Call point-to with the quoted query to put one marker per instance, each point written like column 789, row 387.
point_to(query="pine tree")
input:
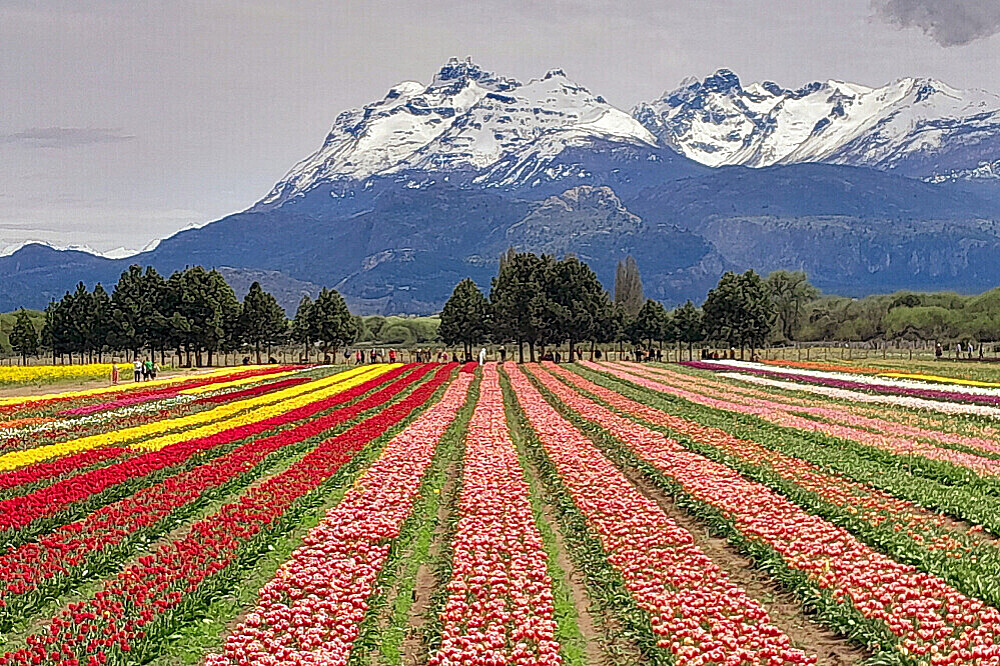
column 628, row 287
column 465, row 317
column 652, row 323
column 261, row 319
column 99, row 322
column 519, row 302
column 128, row 311
column 332, row 323
column 24, row 336
column 577, row 300
column 302, row 325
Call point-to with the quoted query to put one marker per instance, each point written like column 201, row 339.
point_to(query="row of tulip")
column 33, row 572
column 935, row 415
column 88, row 417
column 968, row 394
column 831, row 413
column 155, row 435
column 44, row 374
column 696, row 612
column 823, row 365
column 859, row 397
column 126, row 621
column 939, row 379
column 313, row 608
column 236, row 383
column 25, row 479
column 72, row 498
column 76, row 427
column 252, row 391
column 499, row 607
column 126, row 410
column 960, row 554
column 904, row 446
column 857, row 589
column 942, row 488
column 15, row 404
column 190, row 389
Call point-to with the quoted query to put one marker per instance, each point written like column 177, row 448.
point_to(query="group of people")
column 969, row 350
column 141, row 371
column 640, row 354
column 373, row 356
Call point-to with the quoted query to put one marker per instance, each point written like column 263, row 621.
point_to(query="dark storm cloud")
column 64, row 137
column 948, row 22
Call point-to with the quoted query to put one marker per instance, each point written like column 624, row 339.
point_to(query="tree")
column 576, row 300
column 332, row 323
column 739, row 311
column 628, row 286
column 465, row 317
column 790, row 292
column 506, row 257
column 98, row 322
column 141, row 308
column 261, row 318
column 519, row 301
column 76, row 333
column 204, row 313
column 302, row 325
column 652, row 323
column 24, row 337
column 687, row 321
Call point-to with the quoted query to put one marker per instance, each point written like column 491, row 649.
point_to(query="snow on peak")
column 458, row 72
column 466, row 119
column 717, row 121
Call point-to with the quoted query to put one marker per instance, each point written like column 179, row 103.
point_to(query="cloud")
column 64, row 137
column 948, row 22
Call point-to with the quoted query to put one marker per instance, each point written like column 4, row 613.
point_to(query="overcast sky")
column 123, row 121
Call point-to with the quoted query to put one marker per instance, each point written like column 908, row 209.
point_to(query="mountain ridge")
column 413, row 192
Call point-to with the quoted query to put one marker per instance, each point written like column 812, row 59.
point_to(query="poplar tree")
column 628, row 287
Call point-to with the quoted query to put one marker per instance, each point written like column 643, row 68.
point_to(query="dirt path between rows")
column 782, row 606
column 603, row 642
column 414, row 649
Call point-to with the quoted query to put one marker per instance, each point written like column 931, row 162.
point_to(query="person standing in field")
column 155, row 368
column 482, row 356
column 114, row 374
column 392, row 356
column 137, row 370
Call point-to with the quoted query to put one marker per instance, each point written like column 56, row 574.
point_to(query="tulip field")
column 593, row 513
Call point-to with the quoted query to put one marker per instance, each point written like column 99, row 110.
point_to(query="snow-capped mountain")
column 467, row 120
column 430, row 184
column 916, row 127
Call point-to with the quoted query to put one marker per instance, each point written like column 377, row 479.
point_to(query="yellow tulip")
column 211, row 420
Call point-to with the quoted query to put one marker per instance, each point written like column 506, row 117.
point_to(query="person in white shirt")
column 482, row 356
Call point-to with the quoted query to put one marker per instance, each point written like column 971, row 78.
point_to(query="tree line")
column 539, row 301
column 193, row 311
